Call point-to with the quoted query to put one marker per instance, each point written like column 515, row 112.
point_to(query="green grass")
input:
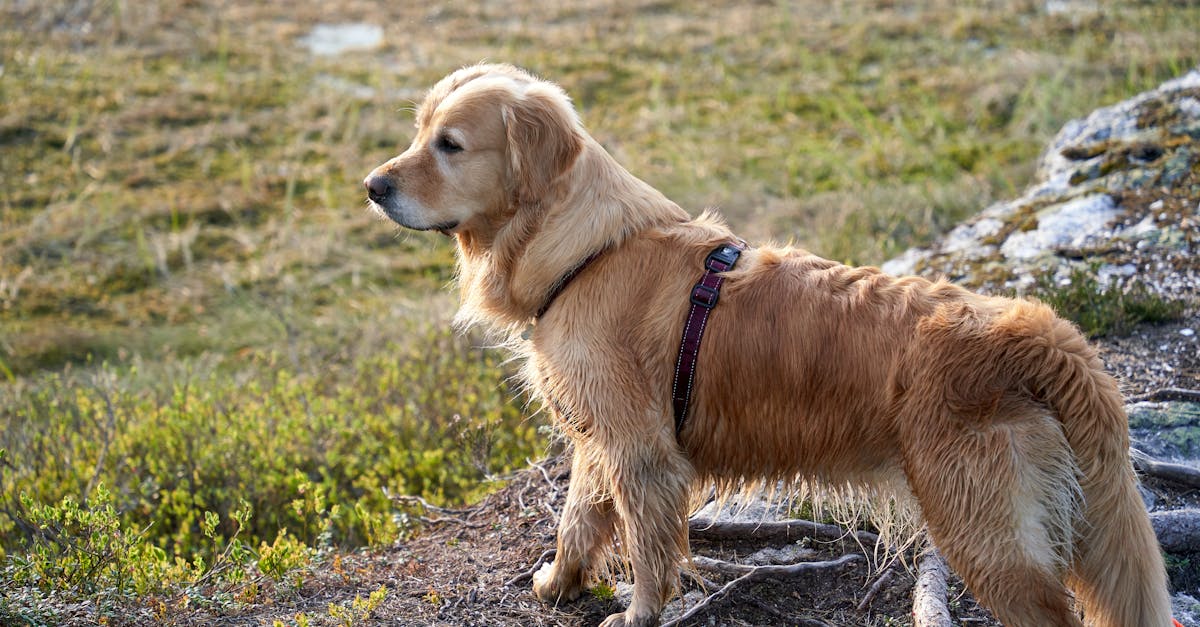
column 195, row 307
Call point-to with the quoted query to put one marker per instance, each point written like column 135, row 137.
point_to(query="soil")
column 473, row 566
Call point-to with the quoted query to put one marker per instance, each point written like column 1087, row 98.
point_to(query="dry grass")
column 173, row 170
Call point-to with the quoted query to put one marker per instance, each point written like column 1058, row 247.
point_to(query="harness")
column 704, row 297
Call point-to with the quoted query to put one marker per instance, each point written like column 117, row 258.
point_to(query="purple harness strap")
column 704, row 297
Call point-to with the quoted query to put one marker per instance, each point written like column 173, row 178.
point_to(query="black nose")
column 378, row 188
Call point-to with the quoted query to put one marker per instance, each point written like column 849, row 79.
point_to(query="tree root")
column 748, row 574
column 1170, row 471
column 787, row 530
column 929, row 595
column 1178, row 530
column 546, row 555
column 881, row 581
column 1168, row 394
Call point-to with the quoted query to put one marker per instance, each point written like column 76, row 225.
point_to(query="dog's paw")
column 625, row 619
column 548, row 588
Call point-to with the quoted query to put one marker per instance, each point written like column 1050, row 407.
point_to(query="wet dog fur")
column 993, row 412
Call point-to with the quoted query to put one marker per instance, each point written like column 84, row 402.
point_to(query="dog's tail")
column 1116, row 567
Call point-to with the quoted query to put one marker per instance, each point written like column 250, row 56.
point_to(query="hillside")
column 217, row 369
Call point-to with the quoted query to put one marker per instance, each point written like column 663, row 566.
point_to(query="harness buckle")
column 721, row 259
column 705, row 296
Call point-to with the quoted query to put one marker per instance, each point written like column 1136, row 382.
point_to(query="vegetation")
column 210, row 353
column 1098, row 309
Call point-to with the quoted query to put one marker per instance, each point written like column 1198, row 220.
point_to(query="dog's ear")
column 543, row 140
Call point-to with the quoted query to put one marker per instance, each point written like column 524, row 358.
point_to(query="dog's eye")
column 447, row 145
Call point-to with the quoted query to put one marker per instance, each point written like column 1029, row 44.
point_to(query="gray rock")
column 1169, row 431
column 1117, row 193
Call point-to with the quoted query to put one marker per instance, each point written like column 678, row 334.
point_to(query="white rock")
column 334, row 39
column 1069, row 224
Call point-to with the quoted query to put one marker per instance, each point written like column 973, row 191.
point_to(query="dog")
column 994, row 414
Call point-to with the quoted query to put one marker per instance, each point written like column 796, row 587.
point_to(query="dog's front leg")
column 584, row 531
column 650, row 482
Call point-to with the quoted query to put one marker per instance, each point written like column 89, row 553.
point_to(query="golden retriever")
column 994, row 413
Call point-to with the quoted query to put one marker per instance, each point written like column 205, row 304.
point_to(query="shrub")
column 313, row 454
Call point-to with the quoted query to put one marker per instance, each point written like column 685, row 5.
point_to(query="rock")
column 333, row 39
column 1169, row 431
column 1187, row 609
column 1117, row 193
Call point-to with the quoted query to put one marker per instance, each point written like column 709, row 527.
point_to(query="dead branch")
column 545, row 475
column 451, row 519
column 784, row 530
column 749, row 574
column 1182, row 474
column 1168, row 394
column 410, row 499
column 882, row 580
column 548, row 554
column 1178, row 530
column 929, row 595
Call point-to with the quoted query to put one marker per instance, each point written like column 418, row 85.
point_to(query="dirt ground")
column 473, row 567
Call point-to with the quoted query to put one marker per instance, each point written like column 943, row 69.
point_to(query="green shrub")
column 87, row 552
column 313, row 455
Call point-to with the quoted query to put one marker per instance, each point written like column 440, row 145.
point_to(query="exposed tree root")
column 929, row 595
column 787, row 530
column 1170, row 471
column 749, row 574
column 1168, row 394
column 1178, row 530
column 881, row 581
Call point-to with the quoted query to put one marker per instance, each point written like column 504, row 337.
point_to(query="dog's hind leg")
column 1000, row 494
column 584, row 532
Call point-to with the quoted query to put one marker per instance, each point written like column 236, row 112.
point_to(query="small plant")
column 1104, row 310
column 284, row 559
column 360, row 609
column 603, row 592
column 302, row 620
column 85, row 548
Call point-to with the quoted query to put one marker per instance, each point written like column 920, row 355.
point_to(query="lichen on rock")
column 1118, row 190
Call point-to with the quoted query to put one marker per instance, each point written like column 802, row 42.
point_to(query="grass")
column 187, row 270
column 1104, row 310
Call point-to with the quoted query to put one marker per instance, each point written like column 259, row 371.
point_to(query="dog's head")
column 490, row 139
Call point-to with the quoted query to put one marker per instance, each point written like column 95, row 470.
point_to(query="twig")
column 545, row 474
column 1171, row 471
column 409, row 499
column 882, row 580
column 1167, row 394
column 548, row 554
column 755, row 573
column 929, row 595
column 705, row 529
column 451, row 519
